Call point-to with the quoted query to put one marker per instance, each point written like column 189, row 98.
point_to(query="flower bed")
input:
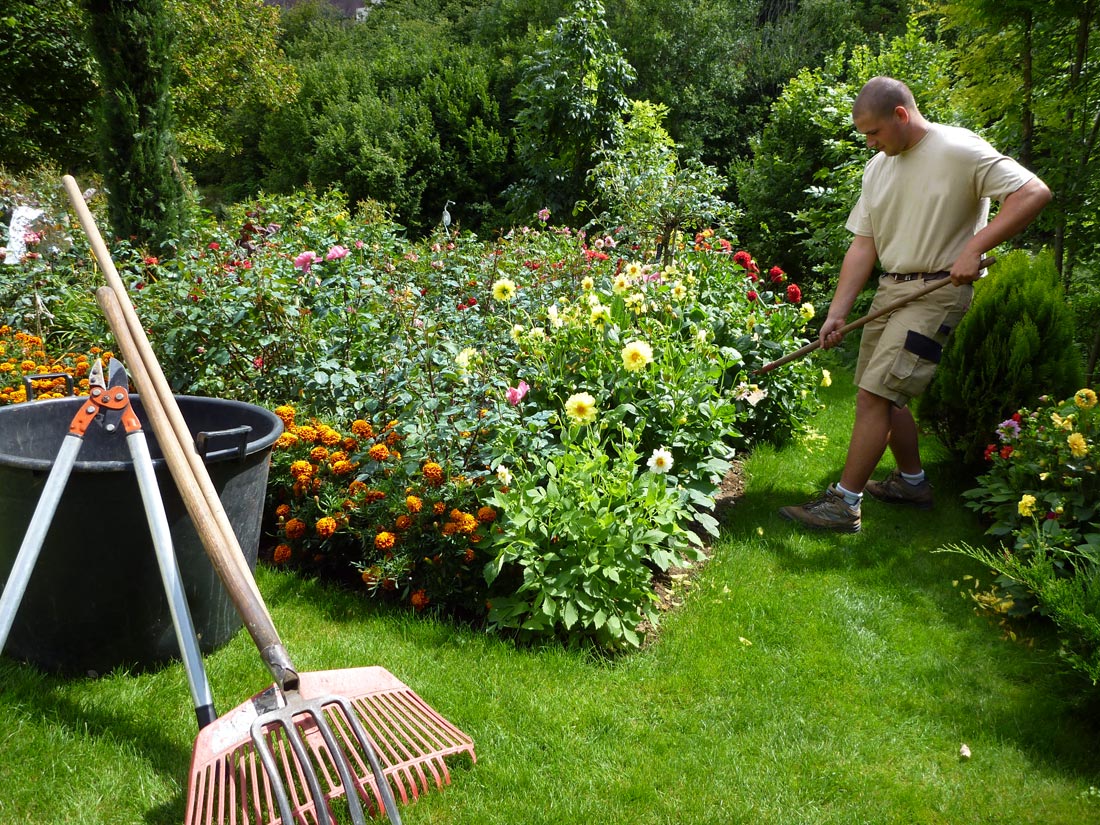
column 516, row 430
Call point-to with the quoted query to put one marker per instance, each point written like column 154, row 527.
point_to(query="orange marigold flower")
column 450, row 528
column 439, row 508
column 342, row 468
column 295, row 528
column 414, row 504
column 379, row 452
column 357, row 487
column 330, row 437
column 286, row 413
column 318, row 454
column 301, row 469
column 466, row 523
column 325, row 527
column 419, row 599
column 375, row 495
column 469, row 555
column 282, row 554
column 486, row 514
column 317, row 484
column 384, row 540
column 350, row 444
column 433, row 473
column 306, row 433
column 287, row 439
column 370, row 575
column 339, row 455
column 393, row 438
column 403, row 522
column 362, row 429
column 282, row 511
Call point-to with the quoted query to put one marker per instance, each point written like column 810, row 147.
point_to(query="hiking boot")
column 829, row 511
column 896, row 490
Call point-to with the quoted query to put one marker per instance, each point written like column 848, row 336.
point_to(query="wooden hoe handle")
column 878, row 313
column 187, row 468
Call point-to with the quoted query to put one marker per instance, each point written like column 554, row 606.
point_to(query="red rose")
column 777, row 275
column 742, row 258
column 794, row 294
column 752, row 295
column 1006, row 451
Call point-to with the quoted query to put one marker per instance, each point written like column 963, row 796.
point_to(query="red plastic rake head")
column 230, row 783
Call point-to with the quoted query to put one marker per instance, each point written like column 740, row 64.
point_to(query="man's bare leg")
column 870, row 435
column 903, row 440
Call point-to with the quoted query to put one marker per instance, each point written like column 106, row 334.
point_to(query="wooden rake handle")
column 199, row 495
column 866, row 319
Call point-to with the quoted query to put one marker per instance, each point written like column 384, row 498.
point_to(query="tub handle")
column 29, row 385
column 241, row 433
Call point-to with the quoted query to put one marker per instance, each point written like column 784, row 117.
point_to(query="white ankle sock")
column 915, row 478
column 850, row 498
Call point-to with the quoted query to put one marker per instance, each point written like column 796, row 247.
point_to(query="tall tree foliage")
column 393, row 110
column 132, row 42
column 572, row 93
column 229, row 74
column 1029, row 70
column 47, row 85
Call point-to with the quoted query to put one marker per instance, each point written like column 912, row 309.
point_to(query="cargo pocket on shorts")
column 914, row 365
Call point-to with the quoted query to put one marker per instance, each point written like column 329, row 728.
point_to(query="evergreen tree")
column 132, row 41
column 1013, row 346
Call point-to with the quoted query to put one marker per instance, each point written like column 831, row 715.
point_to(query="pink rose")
column 516, row 394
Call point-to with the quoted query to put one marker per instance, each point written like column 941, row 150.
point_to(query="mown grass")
column 808, row 678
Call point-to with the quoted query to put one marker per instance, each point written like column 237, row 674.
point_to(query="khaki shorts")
column 899, row 351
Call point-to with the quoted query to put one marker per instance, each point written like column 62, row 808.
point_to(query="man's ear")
column 902, row 114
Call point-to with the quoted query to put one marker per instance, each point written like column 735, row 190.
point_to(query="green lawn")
column 808, row 678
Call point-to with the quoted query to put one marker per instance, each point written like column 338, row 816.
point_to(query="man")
column 922, row 213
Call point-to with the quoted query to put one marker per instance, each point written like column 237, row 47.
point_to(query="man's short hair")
column 881, row 95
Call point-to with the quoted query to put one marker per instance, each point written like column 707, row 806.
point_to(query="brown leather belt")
column 901, row 277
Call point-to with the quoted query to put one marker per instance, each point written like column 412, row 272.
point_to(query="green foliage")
column 646, row 189
column 582, row 535
column 392, row 110
column 47, row 85
column 1014, row 344
column 229, row 74
column 132, row 43
column 571, row 95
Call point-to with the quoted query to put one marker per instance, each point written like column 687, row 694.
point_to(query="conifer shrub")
column 1014, row 345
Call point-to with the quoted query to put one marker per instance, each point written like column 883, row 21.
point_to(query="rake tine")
column 278, row 786
column 365, row 744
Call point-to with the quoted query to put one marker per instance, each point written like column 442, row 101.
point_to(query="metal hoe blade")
column 284, row 757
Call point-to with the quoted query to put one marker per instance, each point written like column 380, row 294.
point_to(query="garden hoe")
column 878, row 313
column 287, row 753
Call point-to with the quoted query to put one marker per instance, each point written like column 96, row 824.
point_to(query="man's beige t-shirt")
column 922, row 205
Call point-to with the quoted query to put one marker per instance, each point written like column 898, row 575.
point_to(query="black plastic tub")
column 95, row 601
